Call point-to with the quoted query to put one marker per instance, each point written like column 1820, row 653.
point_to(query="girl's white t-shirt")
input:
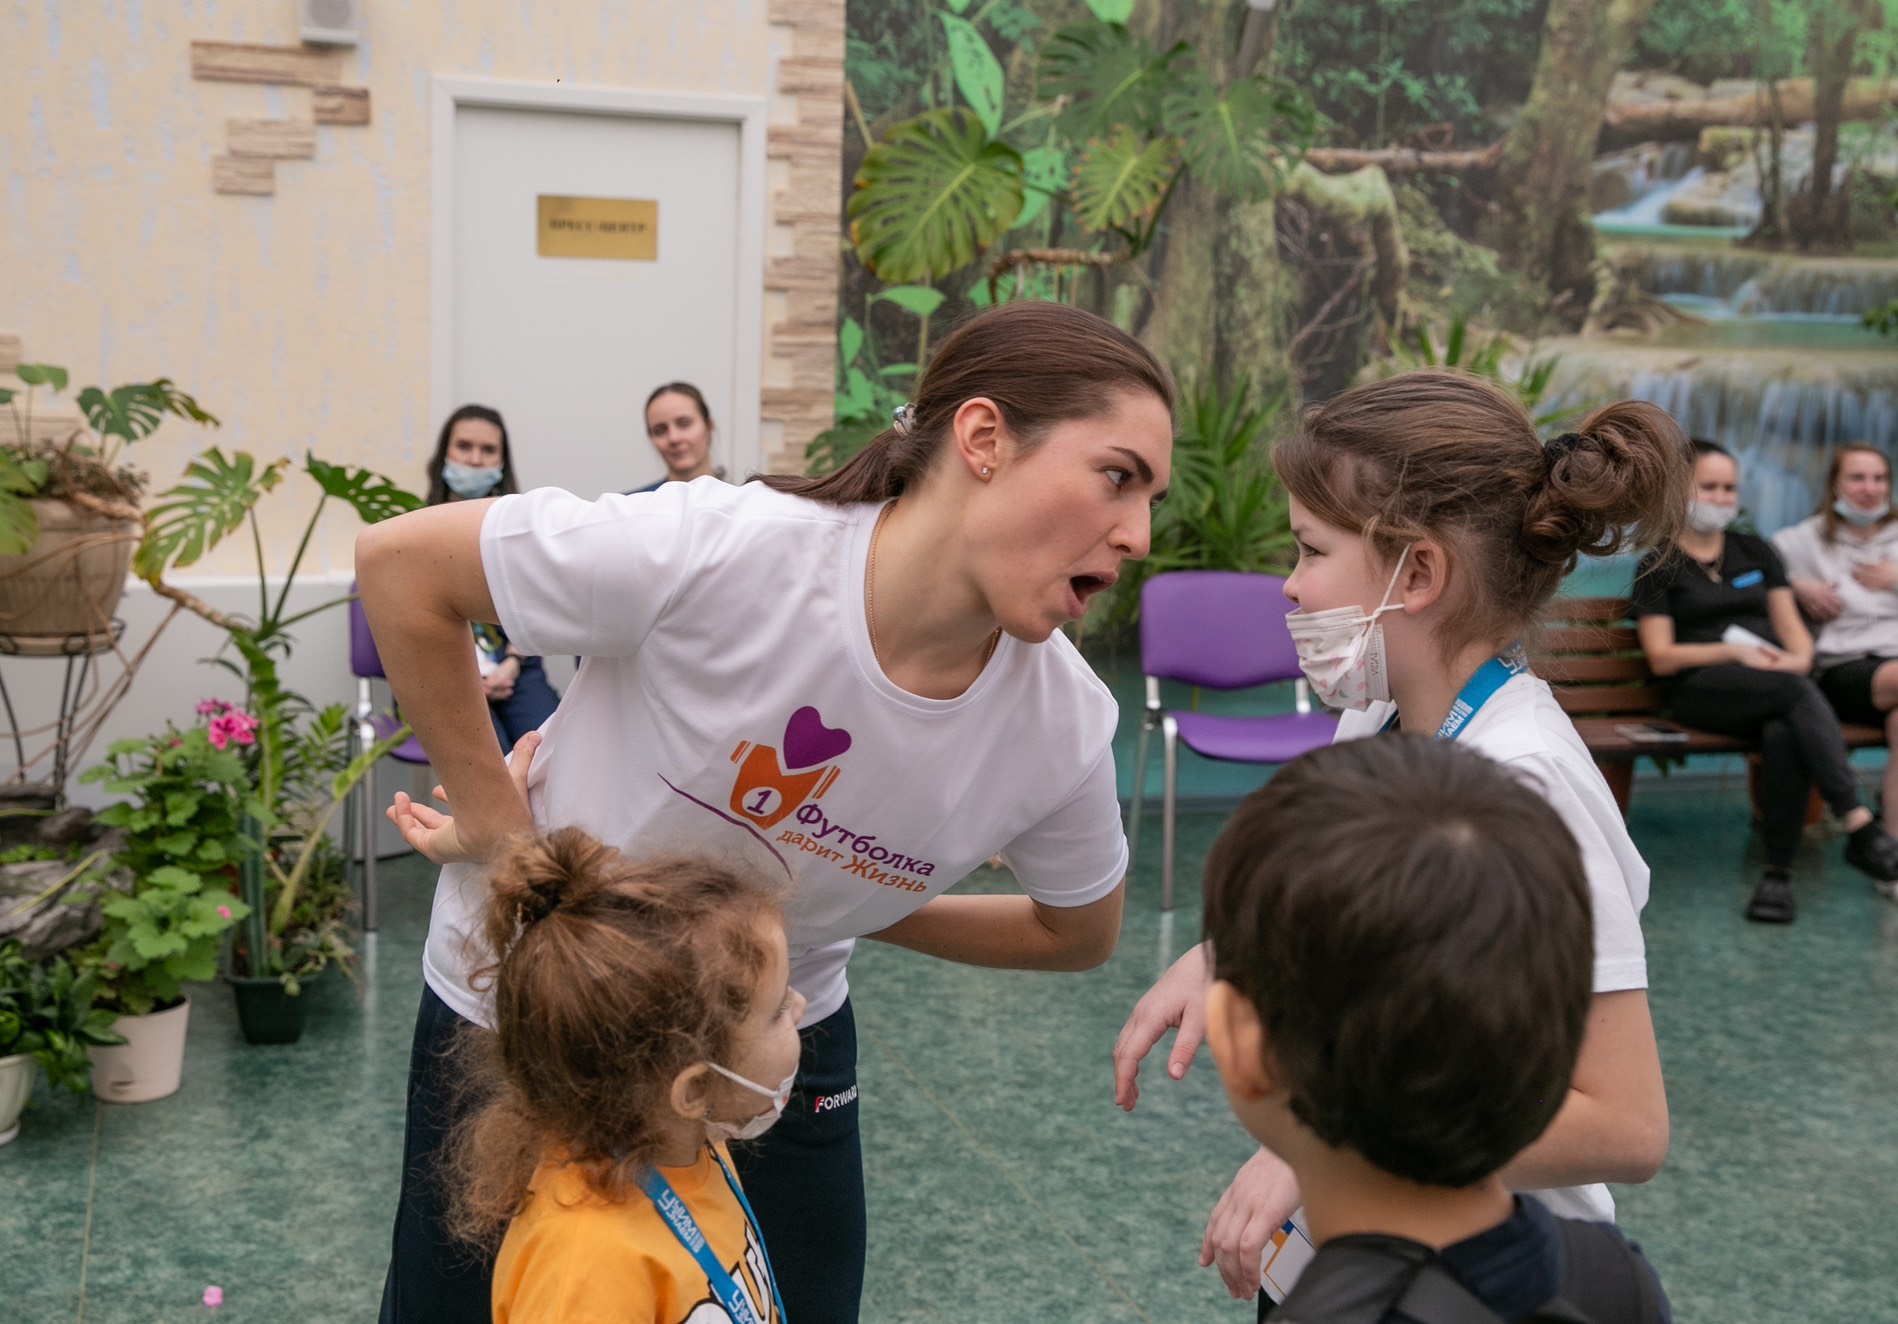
column 728, row 704
column 1523, row 728
column 1867, row 622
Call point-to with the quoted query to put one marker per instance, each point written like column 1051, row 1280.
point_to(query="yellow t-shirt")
column 573, row 1257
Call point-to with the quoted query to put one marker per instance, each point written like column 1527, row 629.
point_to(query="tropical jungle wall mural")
column 1690, row 201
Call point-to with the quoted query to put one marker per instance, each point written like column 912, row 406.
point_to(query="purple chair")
column 370, row 724
column 1219, row 630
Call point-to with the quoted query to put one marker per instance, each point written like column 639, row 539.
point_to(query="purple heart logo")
column 808, row 742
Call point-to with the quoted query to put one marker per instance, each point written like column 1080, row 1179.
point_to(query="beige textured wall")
column 301, row 318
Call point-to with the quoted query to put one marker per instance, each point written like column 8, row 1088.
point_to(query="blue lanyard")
column 1477, row 691
column 686, row 1228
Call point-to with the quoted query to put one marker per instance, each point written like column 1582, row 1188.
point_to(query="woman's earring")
column 985, row 471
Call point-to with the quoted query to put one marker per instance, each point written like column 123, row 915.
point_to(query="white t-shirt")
column 1524, row 728
column 729, row 704
column 1868, row 617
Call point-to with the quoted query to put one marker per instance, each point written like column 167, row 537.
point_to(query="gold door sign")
column 622, row 228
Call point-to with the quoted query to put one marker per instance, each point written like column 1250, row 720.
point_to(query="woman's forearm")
column 1011, row 932
column 1676, row 658
column 421, row 585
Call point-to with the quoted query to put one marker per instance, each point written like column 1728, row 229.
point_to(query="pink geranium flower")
column 211, row 707
column 233, row 727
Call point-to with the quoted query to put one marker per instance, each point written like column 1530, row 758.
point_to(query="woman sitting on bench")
column 1843, row 564
column 1717, row 615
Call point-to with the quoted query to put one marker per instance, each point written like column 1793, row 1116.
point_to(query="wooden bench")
column 1590, row 655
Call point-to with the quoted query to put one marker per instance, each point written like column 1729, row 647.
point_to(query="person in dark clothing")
column 1398, row 1099
column 1718, row 618
column 471, row 460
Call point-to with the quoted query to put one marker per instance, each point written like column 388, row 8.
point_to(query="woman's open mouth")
column 1083, row 587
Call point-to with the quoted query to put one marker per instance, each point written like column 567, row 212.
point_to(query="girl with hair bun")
column 1433, row 523
column 1719, row 620
column 854, row 684
column 643, row 1017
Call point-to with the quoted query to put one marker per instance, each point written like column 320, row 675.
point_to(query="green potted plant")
column 47, row 1022
column 184, row 842
column 69, row 505
column 295, row 754
column 293, row 875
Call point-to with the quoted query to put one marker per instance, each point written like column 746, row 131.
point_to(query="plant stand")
column 266, row 1012
column 77, row 650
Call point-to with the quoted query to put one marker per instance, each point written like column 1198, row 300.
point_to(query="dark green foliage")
column 1225, row 508
column 1384, row 71
column 1700, row 39
column 47, row 1012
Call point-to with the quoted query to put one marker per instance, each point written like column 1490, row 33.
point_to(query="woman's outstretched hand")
column 1178, row 999
column 438, row 836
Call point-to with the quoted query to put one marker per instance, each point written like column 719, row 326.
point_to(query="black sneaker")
column 1772, row 902
column 1874, row 853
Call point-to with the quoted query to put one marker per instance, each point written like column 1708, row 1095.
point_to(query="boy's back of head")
column 1412, row 924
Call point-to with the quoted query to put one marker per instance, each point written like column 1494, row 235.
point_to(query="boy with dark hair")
column 1402, row 950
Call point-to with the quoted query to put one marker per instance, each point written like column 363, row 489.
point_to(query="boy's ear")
column 1425, row 577
column 1237, row 1037
column 690, row 1094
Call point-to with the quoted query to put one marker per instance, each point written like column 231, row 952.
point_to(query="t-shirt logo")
column 771, row 784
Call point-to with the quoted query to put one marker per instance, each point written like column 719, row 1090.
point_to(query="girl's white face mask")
column 1705, row 517
column 752, row 1128
column 1341, row 651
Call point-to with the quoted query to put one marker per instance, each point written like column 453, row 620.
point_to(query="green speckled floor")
column 1004, row 1186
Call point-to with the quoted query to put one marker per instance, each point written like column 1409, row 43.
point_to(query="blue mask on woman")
column 469, row 481
column 1851, row 514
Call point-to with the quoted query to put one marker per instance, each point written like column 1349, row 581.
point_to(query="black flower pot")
column 268, row 1014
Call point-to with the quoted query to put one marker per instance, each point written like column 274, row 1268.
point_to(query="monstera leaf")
column 933, row 194
column 1122, row 181
column 372, row 496
column 1109, row 76
column 134, row 412
column 1241, row 142
column 193, row 517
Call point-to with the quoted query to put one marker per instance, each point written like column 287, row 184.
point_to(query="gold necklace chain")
column 870, row 602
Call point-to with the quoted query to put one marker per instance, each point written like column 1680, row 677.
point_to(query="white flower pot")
column 16, row 1083
column 149, row 1064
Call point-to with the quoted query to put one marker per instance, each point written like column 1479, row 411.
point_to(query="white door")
column 568, row 348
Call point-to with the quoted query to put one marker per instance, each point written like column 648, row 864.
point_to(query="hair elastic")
column 1557, row 447
column 903, row 419
column 547, row 895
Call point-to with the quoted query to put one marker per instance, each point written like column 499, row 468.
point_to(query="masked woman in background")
column 1842, row 563
column 471, row 460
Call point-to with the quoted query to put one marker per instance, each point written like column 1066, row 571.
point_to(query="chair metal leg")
column 1137, row 801
column 367, row 818
column 1170, row 756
